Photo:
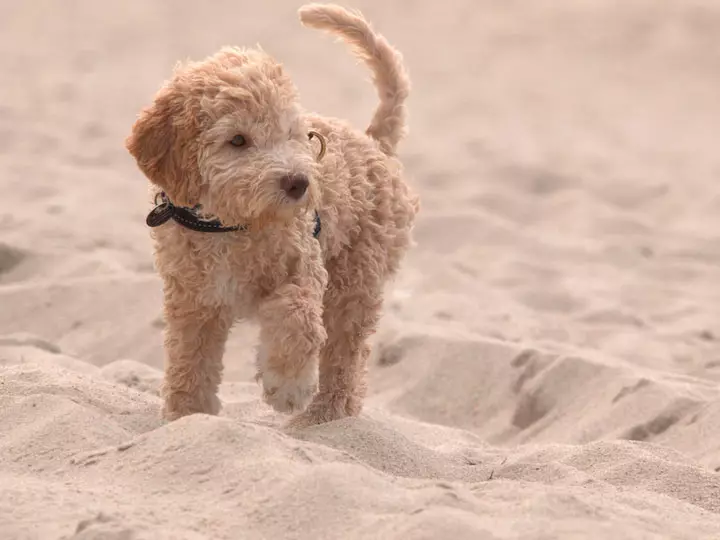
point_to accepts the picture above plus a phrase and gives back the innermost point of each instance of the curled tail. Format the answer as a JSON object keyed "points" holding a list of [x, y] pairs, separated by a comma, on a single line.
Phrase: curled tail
{"points": [[389, 75]]}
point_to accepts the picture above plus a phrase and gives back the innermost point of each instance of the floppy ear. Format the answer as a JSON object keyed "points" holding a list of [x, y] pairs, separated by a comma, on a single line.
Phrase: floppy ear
{"points": [[163, 141]]}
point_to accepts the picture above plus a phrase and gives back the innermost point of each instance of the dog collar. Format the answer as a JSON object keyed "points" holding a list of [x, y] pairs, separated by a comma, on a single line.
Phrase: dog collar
{"points": [[190, 218]]}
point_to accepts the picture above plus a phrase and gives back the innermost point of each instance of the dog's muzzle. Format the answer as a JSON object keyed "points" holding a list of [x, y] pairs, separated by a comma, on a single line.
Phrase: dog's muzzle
{"points": [[294, 185]]}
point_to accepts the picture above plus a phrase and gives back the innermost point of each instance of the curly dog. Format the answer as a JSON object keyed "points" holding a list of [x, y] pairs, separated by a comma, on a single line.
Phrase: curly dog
{"points": [[271, 213]]}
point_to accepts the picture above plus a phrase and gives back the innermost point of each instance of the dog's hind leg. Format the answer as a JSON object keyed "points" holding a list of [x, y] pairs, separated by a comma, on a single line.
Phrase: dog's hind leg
{"points": [[194, 345]]}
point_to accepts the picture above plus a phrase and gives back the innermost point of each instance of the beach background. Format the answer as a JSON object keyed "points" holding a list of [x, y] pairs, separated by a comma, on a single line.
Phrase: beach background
{"points": [[548, 362]]}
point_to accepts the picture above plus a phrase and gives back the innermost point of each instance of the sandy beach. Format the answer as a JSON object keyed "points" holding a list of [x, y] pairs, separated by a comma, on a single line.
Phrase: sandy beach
{"points": [[548, 362]]}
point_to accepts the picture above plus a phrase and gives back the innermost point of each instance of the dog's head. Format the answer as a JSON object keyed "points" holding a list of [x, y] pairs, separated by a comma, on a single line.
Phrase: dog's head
{"points": [[228, 133]]}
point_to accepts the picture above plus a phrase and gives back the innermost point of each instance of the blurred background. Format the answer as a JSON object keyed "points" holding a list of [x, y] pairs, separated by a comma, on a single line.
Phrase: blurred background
{"points": [[565, 151]]}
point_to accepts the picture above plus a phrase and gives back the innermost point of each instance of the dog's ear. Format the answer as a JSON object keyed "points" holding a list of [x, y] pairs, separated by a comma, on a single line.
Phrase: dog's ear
{"points": [[163, 141]]}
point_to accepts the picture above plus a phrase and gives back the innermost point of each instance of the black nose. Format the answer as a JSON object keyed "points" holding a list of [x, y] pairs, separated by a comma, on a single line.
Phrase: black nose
{"points": [[295, 185]]}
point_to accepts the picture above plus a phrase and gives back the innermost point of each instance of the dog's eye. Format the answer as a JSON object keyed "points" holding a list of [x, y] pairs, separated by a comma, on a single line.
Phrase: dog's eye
{"points": [[238, 140]]}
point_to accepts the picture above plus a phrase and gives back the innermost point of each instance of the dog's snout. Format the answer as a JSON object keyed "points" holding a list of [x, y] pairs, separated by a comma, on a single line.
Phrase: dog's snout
{"points": [[295, 185]]}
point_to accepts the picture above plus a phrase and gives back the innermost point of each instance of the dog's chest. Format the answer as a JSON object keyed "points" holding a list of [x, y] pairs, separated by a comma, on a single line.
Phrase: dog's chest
{"points": [[224, 284], [239, 273], [225, 278]]}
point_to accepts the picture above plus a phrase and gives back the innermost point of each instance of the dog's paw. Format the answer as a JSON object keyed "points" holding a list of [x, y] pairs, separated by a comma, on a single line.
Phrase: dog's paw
{"points": [[312, 416], [289, 394], [179, 404], [326, 408]]}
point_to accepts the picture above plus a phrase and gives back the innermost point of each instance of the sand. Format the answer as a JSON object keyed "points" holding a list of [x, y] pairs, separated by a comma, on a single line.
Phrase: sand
{"points": [[548, 364]]}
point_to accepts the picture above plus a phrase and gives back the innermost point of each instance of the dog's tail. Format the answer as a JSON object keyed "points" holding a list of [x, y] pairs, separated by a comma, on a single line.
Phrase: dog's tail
{"points": [[389, 75]]}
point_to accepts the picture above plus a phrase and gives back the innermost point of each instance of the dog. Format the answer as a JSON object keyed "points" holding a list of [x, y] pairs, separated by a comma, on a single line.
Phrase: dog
{"points": [[267, 212]]}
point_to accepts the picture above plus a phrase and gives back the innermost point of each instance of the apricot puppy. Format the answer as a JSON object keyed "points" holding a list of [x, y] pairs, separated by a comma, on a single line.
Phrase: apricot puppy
{"points": [[270, 213]]}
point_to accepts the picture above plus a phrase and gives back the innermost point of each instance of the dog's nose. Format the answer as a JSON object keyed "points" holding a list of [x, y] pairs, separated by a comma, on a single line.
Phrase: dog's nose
{"points": [[295, 185]]}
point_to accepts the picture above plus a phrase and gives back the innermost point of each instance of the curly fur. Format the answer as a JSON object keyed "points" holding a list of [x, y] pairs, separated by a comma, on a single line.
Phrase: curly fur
{"points": [[317, 301]]}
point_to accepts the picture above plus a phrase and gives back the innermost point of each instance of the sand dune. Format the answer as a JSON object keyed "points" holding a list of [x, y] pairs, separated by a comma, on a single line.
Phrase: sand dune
{"points": [[98, 446], [548, 365]]}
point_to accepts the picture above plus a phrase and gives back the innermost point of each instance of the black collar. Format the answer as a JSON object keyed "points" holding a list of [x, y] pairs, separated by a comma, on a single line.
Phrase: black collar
{"points": [[190, 218]]}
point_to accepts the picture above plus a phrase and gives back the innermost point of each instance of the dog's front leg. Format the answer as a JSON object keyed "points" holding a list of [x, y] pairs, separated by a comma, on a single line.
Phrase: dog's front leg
{"points": [[291, 337], [195, 339]]}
